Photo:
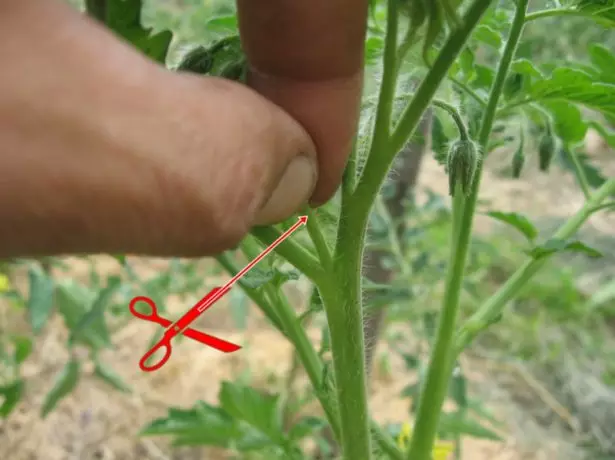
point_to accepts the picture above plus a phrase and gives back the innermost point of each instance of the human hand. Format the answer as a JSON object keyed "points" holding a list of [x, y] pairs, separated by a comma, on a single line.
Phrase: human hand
{"points": [[101, 150]]}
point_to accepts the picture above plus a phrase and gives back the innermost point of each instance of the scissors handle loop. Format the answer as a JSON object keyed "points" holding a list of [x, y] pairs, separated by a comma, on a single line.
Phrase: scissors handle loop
{"points": [[153, 314], [163, 343]]}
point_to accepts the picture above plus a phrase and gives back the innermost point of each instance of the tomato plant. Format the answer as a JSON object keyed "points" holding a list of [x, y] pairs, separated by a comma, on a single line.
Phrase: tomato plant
{"points": [[440, 41]]}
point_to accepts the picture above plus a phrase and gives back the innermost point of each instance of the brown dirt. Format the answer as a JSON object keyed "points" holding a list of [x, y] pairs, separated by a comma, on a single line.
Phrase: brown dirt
{"points": [[98, 423]]}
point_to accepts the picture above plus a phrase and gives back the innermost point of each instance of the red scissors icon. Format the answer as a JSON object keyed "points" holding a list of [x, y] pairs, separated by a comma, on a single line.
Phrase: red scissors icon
{"points": [[180, 327]]}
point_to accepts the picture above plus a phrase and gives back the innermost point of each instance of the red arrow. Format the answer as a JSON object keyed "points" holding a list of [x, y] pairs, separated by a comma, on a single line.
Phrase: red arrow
{"points": [[208, 300]]}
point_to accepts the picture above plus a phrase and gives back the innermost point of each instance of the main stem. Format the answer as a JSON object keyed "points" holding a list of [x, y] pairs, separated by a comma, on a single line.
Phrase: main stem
{"points": [[443, 356]]}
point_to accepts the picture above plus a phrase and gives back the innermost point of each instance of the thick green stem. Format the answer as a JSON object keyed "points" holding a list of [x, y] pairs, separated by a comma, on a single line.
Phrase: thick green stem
{"points": [[497, 302], [442, 359], [342, 300]]}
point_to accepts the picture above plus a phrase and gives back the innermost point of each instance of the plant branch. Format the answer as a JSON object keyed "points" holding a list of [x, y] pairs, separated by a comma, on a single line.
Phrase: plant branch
{"points": [[442, 359], [469, 91], [318, 238], [292, 252], [547, 13], [497, 302], [384, 110]]}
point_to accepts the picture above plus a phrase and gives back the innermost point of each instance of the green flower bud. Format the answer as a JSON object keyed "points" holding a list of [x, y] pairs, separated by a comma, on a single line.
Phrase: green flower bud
{"points": [[463, 161], [546, 149], [518, 158]]}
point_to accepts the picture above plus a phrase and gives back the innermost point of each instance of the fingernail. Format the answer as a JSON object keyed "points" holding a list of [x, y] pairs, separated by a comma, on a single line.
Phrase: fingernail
{"points": [[292, 192]]}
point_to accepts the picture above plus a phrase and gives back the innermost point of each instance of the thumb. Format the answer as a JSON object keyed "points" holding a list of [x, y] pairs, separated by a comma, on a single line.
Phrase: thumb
{"points": [[247, 158]]}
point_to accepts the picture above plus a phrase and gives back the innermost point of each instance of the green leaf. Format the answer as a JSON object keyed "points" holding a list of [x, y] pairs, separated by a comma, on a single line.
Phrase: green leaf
{"points": [[96, 314], [554, 245], [257, 277], [488, 36], [374, 47], [108, 375], [458, 424], [205, 425], [74, 300], [65, 383], [40, 301], [223, 23], [124, 18], [518, 221], [602, 11], [603, 60], [568, 121], [23, 348], [258, 410], [11, 395], [306, 426], [577, 87], [527, 68], [458, 389]]}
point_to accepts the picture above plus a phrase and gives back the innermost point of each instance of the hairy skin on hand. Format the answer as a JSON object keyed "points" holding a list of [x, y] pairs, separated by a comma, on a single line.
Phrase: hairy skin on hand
{"points": [[307, 56], [102, 150]]}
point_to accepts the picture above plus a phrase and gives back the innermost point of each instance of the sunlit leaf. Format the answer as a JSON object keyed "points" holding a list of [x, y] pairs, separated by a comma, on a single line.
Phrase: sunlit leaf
{"points": [[554, 245], [10, 395], [40, 300], [64, 384], [518, 221], [109, 376]]}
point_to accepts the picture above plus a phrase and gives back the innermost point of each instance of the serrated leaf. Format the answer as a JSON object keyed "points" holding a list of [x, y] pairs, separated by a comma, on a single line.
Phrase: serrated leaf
{"points": [[305, 426], [555, 245], [96, 314], [577, 87], [568, 121], [124, 18], [202, 425], [74, 300], [487, 35], [40, 300], [258, 410], [109, 376], [518, 221], [257, 277], [10, 395], [64, 384], [603, 60], [526, 67]]}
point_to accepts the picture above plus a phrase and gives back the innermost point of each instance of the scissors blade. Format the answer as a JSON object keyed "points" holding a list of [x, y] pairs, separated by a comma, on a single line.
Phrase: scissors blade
{"points": [[182, 323], [205, 339]]}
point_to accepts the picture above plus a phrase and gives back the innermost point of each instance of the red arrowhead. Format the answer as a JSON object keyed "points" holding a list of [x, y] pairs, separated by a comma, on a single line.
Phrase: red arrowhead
{"points": [[303, 219]]}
